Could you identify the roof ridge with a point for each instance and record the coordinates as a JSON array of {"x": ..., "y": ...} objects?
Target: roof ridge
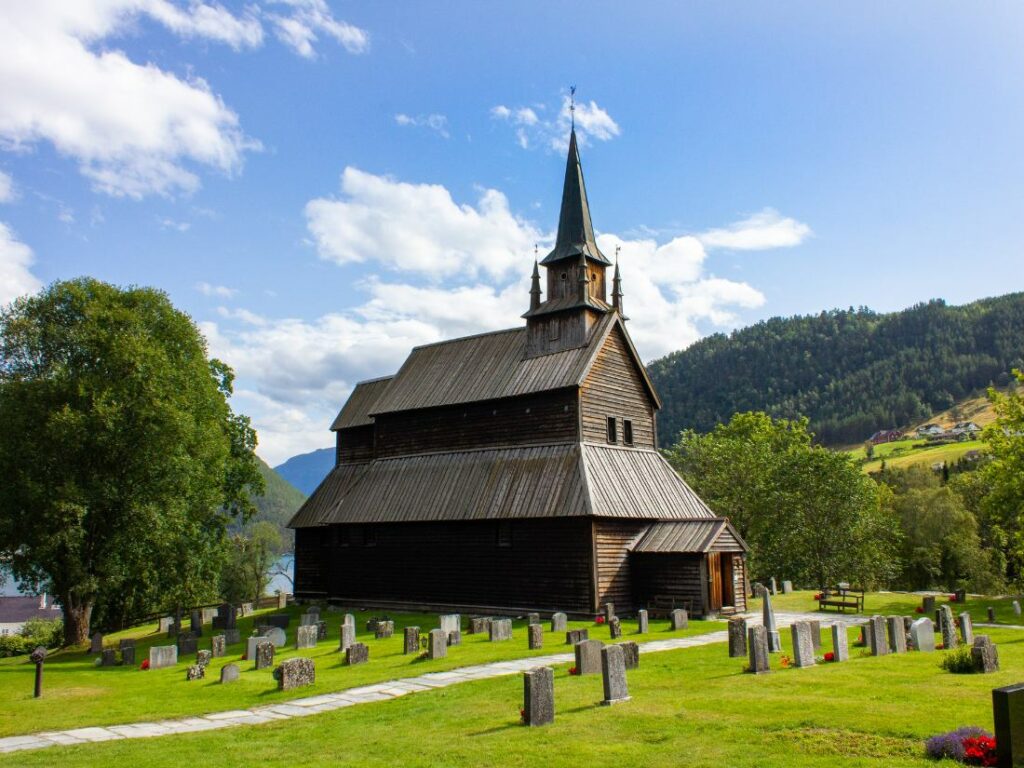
[
  {"x": 465, "y": 338},
  {"x": 481, "y": 449}
]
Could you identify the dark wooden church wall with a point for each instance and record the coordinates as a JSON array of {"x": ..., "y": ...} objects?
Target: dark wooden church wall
[
  {"x": 614, "y": 388},
  {"x": 310, "y": 556},
  {"x": 547, "y": 417},
  {"x": 670, "y": 574},
  {"x": 614, "y": 579},
  {"x": 547, "y": 566},
  {"x": 354, "y": 445}
]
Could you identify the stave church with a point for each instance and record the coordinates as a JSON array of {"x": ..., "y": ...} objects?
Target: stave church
[{"x": 518, "y": 470}]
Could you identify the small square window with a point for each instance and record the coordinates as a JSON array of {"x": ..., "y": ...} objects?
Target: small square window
[
  {"x": 627, "y": 431},
  {"x": 613, "y": 436},
  {"x": 504, "y": 536}
]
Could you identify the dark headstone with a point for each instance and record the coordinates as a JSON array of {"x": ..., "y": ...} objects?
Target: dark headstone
[
  {"x": 295, "y": 673},
  {"x": 357, "y": 653},
  {"x": 928, "y": 604},
  {"x": 232, "y": 636},
  {"x": 411, "y": 642},
  {"x": 539, "y": 696},
  {"x": 984, "y": 655},
  {"x": 195, "y": 672},
  {"x": 437, "y": 644},
  {"x": 613, "y": 675},
  {"x": 278, "y": 620},
  {"x": 991, "y": 615},
  {"x": 108, "y": 658},
  {"x": 96, "y": 643},
  {"x": 196, "y": 622},
  {"x": 203, "y": 658},
  {"x": 321, "y": 630},
  {"x": 228, "y": 616},
  {"x": 757, "y": 644},
  {"x": 559, "y": 622},
  {"x": 1008, "y": 713},
  {"x": 264, "y": 653},
  {"x": 218, "y": 646},
  {"x": 643, "y": 624},
  {"x": 737, "y": 638},
  {"x": 187, "y": 643},
  {"x": 615, "y": 627},
  {"x": 574, "y": 636},
  {"x": 535, "y": 633},
  {"x": 229, "y": 673},
  {"x": 128, "y": 655},
  {"x": 125, "y": 643},
  {"x": 588, "y": 657},
  {"x": 961, "y": 596},
  {"x": 631, "y": 653}
]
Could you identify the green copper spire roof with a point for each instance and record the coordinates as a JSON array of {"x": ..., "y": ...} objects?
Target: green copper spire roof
[{"x": 575, "y": 230}]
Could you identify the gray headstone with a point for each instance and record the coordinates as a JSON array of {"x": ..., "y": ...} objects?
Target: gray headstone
[
  {"x": 195, "y": 622},
  {"x": 232, "y": 636},
  {"x": 536, "y": 636},
  {"x": 187, "y": 643},
  {"x": 128, "y": 655},
  {"x": 559, "y": 622},
  {"x": 437, "y": 645},
  {"x": 615, "y": 627},
  {"x": 631, "y": 654},
  {"x": 897, "y": 634},
  {"x": 991, "y": 615},
  {"x": 348, "y": 636},
  {"x": 163, "y": 656},
  {"x": 775, "y": 589},
  {"x": 609, "y": 611},
  {"x": 165, "y": 624},
  {"x": 757, "y": 589},
  {"x": 1016, "y": 607},
  {"x": 195, "y": 672},
  {"x": 588, "y": 657},
  {"x": 295, "y": 673},
  {"x": 532, "y": 618},
  {"x": 217, "y": 646},
  {"x": 815, "y": 627},
  {"x": 479, "y": 625},
  {"x": 357, "y": 653},
  {"x": 264, "y": 653},
  {"x": 276, "y": 635},
  {"x": 125, "y": 642},
  {"x": 757, "y": 643},
  {"x": 922, "y": 635},
  {"x": 108, "y": 657},
  {"x": 787, "y": 587},
  {"x": 1008, "y": 714},
  {"x": 208, "y": 615},
  {"x": 455, "y": 637},
  {"x": 679, "y": 619},
  {"x": 948, "y": 628},
  {"x": 450, "y": 622},
  {"x": 229, "y": 673},
  {"x": 96, "y": 643},
  {"x": 305, "y": 636},
  {"x": 642, "y": 622},
  {"x": 803, "y": 648},
  {"x": 539, "y": 696},
  {"x": 246, "y": 610},
  {"x": 278, "y": 620},
  {"x": 411, "y": 643},
  {"x": 500, "y": 629},
  {"x": 613, "y": 675},
  {"x": 928, "y": 604},
  {"x": 876, "y": 636},
  {"x": 384, "y": 630},
  {"x": 737, "y": 638},
  {"x": 984, "y": 655},
  {"x": 308, "y": 619},
  {"x": 574, "y": 636},
  {"x": 768, "y": 616},
  {"x": 321, "y": 630},
  {"x": 203, "y": 658},
  {"x": 966, "y": 628},
  {"x": 840, "y": 651}
]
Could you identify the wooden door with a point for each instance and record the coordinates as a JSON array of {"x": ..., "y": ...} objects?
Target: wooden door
[
  {"x": 714, "y": 581},
  {"x": 728, "y": 580}
]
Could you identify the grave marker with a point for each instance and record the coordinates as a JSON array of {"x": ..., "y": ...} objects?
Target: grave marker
[
  {"x": 195, "y": 672},
  {"x": 613, "y": 675},
  {"x": 774, "y": 642},
  {"x": 455, "y": 637},
  {"x": 348, "y": 637},
  {"x": 357, "y": 653},
  {"x": 305, "y": 636},
  {"x": 876, "y": 636},
  {"x": 787, "y": 587},
  {"x": 108, "y": 658},
  {"x": 803, "y": 648},
  {"x": 679, "y": 619},
  {"x": 815, "y": 628},
  {"x": 984, "y": 655},
  {"x": 295, "y": 673},
  {"x": 609, "y": 611},
  {"x": 840, "y": 651},
  {"x": 308, "y": 619},
  {"x": 96, "y": 644},
  {"x": 574, "y": 636},
  {"x": 500, "y": 629},
  {"x": 187, "y": 643},
  {"x": 991, "y": 615},
  {"x": 642, "y": 621},
  {"x": 966, "y": 628},
  {"x": 539, "y": 696},
  {"x": 631, "y": 654},
  {"x": 264, "y": 653},
  {"x": 232, "y": 636},
  {"x": 1008, "y": 714},
  {"x": 1016, "y": 607},
  {"x": 203, "y": 658},
  {"x": 948, "y": 628},
  {"x": 451, "y": 622},
  {"x": 384, "y": 630},
  {"x": 615, "y": 627},
  {"x": 535, "y": 633},
  {"x": 588, "y": 657},
  {"x": 559, "y": 622},
  {"x": 278, "y": 620},
  {"x": 229, "y": 673},
  {"x": 276, "y": 635},
  {"x": 163, "y": 656},
  {"x": 897, "y": 635},
  {"x": 217, "y": 646},
  {"x": 775, "y": 589},
  {"x": 757, "y": 643},
  {"x": 479, "y": 625},
  {"x": 737, "y": 638},
  {"x": 532, "y": 618},
  {"x": 411, "y": 642},
  {"x": 437, "y": 646},
  {"x": 128, "y": 655},
  {"x": 922, "y": 635},
  {"x": 928, "y": 604}
]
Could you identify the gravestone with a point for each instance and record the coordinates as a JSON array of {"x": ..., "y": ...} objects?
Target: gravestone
[
  {"x": 737, "y": 638},
  {"x": 922, "y": 635},
  {"x": 162, "y": 656},
  {"x": 282, "y": 600},
  {"x": 588, "y": 657},
  {"x": 437, "y": 645},
  {"x": 840, "y": 651},
  {"x": 897, "y": 634},
  {"x": 574, "y": 636},
  {"x": 207, "y": 615},
  {"x": 250, "y": 647},
  {"x": 679, "y": 619},
  {"x": 227, "y": 616},
  {"x": 264, "y": 653},
  {"x": 275, "y": 635},
  {"x": 349, "y": 619},
  {"x": 108, "y": 657},
  {"x": 948, "y": 628},
  {"x": 1016, "y": 607},
  {"x": 876, "y": 636},
  {"x": 232, "y": 636},
  {"x": 203, "y": 658},
  {"x": 757, "y": 643},
  {"x": 539, "y": 696},
  {"x": 455, "y": 637},
  {"x": 535, "y": 634},
  {"x": 787, "y": 587},
  {"x": 815, "y": 627},
  {"x": 218, "y": 646},
  {"x": 775, "y": 589},
  {"x": 966, "y": 628},
  {"x": 128, "y": 642},
  {"x": 278, "y": 620},
  {"x": 768, "y": 613},
  {"x": 128, "y": 655},
  {"x": 984, "y": 655},
  {"x": 195, "y": 672},
  {"x": 321, "y": 630},
  {"x": 187, "y": 643},
  {"x": 165, "y": 624},
  {"x": 803, "y": 648},
  {"x": 305, "y": 636},
  {"x": 295, "y": 673},
  {"x": 532, "y": 618},
  {"x": 631, "y": 654},
  {"x": 615, "y": 627},
  {"x": 384, "y": 630},
  {"x": 757, "y": 589},
  {"x": 642, "y": 622},
  {"x": 609, "y": 611},
  {"x": 246, "y": 609},
  {"x": 960, "y": 595},
  {"x": 308, "y": 619},
  {"x": 613, "y": 675},
  {"x": 559, "y": 622},
  {"x": 357, "y": 653},
  {"x": 229, "y": 673},
  {"x": 450, "y": 622},
  {"x": 195, "y": 622},
  {"x": 348, "y": 636},
  {"x": 96, "y": 643},
  {"x": 500, "y": 629},
  {"x": 479, "y": 625},
  {"x": 411, "y": 643},
  {"x": 862, "y": 637},
  {"x": 1008, "y": 714},
  {"x": 928, "y": 604},
  {"x": 991, "y": 615}
]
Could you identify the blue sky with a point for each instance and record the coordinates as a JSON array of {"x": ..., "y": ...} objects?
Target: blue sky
[{"x": 324, "y": 184}]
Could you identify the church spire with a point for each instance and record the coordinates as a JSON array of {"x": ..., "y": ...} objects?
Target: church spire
[
  {"x": 617, "y": 287},
  {"x": 535, "y": 283}
]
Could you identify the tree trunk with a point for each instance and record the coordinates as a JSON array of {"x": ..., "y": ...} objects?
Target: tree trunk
[{"x": 76, "y": 620}]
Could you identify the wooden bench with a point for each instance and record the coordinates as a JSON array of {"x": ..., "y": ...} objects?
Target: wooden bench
[{"x": 841, "y": 598}]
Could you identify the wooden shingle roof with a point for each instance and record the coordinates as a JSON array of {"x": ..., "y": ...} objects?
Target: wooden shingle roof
[
  {"x": 356, "y": 411},
  {"x": 691, "y": 537},
  {"x": 327, "y": 495}
]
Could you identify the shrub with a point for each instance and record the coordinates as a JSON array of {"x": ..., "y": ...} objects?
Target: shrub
[
  {"x": 36, "y": 632},
  {"x": 959, "y": 661}
]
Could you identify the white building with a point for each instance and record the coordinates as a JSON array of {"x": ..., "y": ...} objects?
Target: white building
[{"x": 16, "y": 610}]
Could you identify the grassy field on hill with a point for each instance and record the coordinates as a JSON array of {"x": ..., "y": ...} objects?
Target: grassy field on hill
[
  {"x": 905, "y": 453},
  {"x": 692, "y": 707}
]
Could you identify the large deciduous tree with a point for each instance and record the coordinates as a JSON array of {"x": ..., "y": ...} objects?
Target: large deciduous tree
[{"x": 122, "y": 462}]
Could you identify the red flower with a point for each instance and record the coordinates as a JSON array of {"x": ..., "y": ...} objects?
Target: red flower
[
  {"x": 144, "y": 664},
  {"x": 599, "y": 620},
  {"x": 830, "y": 656},
  {"x": 979, "y": 750},
  {"x": 522, "y": 715},
  {"x": 818, "y": 596},
  {"x": 919, "y": 609},
  {"x": 952, "y": 598},
  {"x": 940, "y": 647},
  {"x": 784, "y": 662},
  {"x": 573, "y": 671}
]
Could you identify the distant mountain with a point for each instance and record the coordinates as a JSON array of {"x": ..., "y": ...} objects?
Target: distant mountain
[
  {"x": 851, "y": 372},
  {"x": 278, "y": 503},
  {"x": 306, "y": 470}
]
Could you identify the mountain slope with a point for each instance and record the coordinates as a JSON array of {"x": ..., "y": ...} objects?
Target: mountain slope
[
  {"x": 850, "y": 372},
  {"x": 278, "y": 503},
  {"x": 306, "y": 470}
]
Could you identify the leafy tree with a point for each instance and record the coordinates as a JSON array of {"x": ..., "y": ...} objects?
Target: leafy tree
[
  {"x": 122, "y": 460},
  {"x": 251, "y": 556}
]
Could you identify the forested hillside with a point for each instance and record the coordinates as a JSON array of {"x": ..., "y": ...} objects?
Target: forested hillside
[
  {"x": 850, "y": 372},
  {"x": 278, "y": 503},
  {"x": 306, "y": 470}
]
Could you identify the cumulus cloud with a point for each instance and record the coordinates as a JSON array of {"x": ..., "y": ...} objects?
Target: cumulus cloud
[
  {"x": 7, "y": 191},
  {"x": 532, "y": 128},
  {"x": 305, "y": 20},
  {"x": 763, "y": 230},
  {"x": 437, "y": 123},
  {"x": 219, "y": 291},
  {"x": 16, "y": 278}
]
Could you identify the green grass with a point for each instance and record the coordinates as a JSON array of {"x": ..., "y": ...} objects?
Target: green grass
[
  {"x": 905, "y": 453},
  {"x": 690, "y": 707},
  {"x": 898, "y": 603},
  {"x": 78, "y": 693}
]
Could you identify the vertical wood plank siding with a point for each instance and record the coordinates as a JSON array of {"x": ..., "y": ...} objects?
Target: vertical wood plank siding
[
  {"x": 676, "y": 575},
  {"x": 311, "y": 553},
  {"x": 611, "y": 541},
  {"x": 354, "y": 445},
  {"x": 614, "y": 388}
]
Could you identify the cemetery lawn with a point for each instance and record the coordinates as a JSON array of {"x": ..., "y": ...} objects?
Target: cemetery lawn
[
  {"x": 898, "y": 603},
  {"x": 692, "y": 707},
  {"x": 77, "y": 693}
]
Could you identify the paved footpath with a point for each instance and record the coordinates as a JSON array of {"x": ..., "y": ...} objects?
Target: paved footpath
[{"x": 366, "y": 694}]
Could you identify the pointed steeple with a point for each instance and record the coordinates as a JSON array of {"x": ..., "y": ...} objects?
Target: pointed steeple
[
  {"x": 535, "y": 286},
  {"x": 617, "y": 287},
  {"x": 575, "y": 230}
]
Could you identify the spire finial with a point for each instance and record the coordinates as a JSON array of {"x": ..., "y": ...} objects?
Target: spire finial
[
  {"x": 617, "y": 285},
  {"x": 572, "y": 106}
]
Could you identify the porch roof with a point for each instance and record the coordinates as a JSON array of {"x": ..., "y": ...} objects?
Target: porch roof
[{"x": 691, "y": 537}]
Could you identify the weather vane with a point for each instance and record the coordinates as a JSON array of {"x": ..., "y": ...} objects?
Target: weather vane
[
  {"x": 617, "y": 249},
  {"x": 572, "y": 105}
]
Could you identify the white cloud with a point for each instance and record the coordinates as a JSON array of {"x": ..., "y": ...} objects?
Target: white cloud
[
  {"x": 307, "y": 19},
  {"x": 436, "y": 123},
  {"x": 766, "y": 229},
  {"x": 7, "y": 191},
  {"x": 532, "y": 129},
  {"x": 176, "y": 226},
  {"x": 16, "y": 279},
  {"x": 220, "y": 291}
]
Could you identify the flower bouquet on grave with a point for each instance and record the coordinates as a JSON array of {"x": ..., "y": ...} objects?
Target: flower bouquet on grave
[
  {"x": 599, "y": 620},
  {"x": 522, "y": 717},
  {"x": 785, "y": 662},
  {"x": 919, "y": 609},
  {"x": 970, "y": 745},
  {"x": 817, "y": 596},
  {"x": 144, "y": 665},
  {"x": 830, "y": 656},
  {"x": 574, "y": 670},
  {"x": 952, "y": 598},
  {"x": 940, "y": 647}
]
